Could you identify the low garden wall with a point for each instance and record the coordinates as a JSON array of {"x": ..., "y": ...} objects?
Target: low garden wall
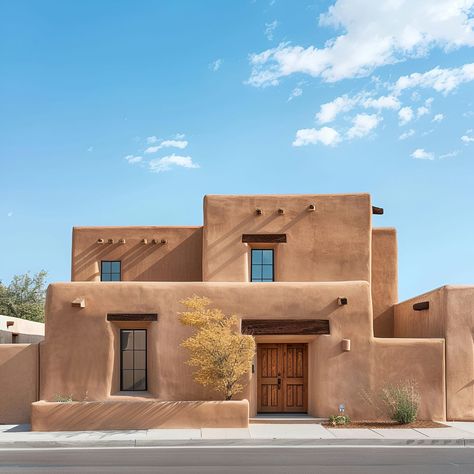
[{"x": 137, "y": 415}]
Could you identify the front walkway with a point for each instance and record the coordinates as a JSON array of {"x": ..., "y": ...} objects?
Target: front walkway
[{"x": 458, "y": 433}]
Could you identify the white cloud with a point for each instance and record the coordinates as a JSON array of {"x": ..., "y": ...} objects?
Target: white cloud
[
  {"x": 330, "y": 110},
  {"x": 166, "y": 163},
  {"x": 270, "y": 29},
  {"x": 382, "y": 102},
  {"x": 215, "y": 65},
  {"x": 407, "y": 134},
  {"x": 179, "y": 136},
  {"x": 363, "y": 124},
  {"x": 133, "y": 159},
  {"x": 467, "y": 139},
  {"x": 451, "y": 154},
  {"x": 420, "y": 111},
  {"x": 441, "y": 80},
  {"x": 421, "y": 154},
  {"x": 374, "y": 34},
  {"x": 181, "y": 144},
  {"x": 151, "y": 140},
  {"x": 438, "y": 118},
  {"x": 405, "y": 115},
  {"x": 296, "y": 92},
  {"x": 310, "y": 136}
]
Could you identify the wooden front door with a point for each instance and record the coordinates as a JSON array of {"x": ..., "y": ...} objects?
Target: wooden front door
[{"x": 282, "y": 374}]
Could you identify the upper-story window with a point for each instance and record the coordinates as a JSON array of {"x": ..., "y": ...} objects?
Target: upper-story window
[
  {"x": 110, "y": 270},
  {"x": 262, "y": 265}
]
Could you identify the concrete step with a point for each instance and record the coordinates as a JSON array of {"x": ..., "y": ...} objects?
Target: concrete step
[{"x": 286, "y": 418}]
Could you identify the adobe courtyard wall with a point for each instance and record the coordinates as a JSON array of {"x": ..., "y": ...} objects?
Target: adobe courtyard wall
[
  {"x": 450, "y": 315},
  {"x": 26, "y": 331},
  {"x": 179, "y": 259},
  {"x": 80, "y": 353},
  {"x": 18, "y": 382},
  {"x": 332, "y": 243}
]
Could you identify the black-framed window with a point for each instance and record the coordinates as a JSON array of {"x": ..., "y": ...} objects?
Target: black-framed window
[
  {"x": 262, "y": 261},
  {"x": 110, "y": 270},
  {"x": 133, "y": 366}
]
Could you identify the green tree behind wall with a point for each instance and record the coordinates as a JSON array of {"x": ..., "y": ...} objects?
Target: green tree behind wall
[{"x": 24, "y": 297}]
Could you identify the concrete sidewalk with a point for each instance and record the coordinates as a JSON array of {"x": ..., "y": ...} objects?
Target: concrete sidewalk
[{"x": 457, "y": 434}]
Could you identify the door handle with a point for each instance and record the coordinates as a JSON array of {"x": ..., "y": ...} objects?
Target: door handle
[{"x": 279, "y": 382}]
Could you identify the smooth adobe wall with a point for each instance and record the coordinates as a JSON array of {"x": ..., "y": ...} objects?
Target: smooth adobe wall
[
  {"x": 384, "y": 279},
  {"x": 79, "y": 356},
  {"x": 330, "y": 244},
  {"x": 18, "y": 382},
  {"x": 450, "y": 315},
  {"x": 143, "y": 414},
  {"x": 180, "y": 259}
]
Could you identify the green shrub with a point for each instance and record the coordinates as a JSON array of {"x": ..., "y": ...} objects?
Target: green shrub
[
  {"x": 63, "y": 398},
  {"x": 402, "y": 402},
  {"x": 339, "y": 420}
]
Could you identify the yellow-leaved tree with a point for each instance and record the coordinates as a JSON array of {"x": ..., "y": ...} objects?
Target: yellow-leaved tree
[{"x": 218, "y": 351}]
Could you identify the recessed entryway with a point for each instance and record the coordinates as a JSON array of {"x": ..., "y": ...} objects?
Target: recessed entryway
[{"x": 282, "y": 378}]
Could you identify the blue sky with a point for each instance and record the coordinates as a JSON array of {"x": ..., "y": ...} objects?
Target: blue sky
[{"x": 127, "y": 113}]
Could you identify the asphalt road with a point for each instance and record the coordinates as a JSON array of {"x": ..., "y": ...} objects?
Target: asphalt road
[{"x": 275, "y": 460}]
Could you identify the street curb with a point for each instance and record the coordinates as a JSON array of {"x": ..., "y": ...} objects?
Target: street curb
[{"x": 142, "y": 443}]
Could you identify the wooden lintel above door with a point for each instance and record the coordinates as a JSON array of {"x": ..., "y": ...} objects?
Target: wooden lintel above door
[{"x": 291, "y": 327}]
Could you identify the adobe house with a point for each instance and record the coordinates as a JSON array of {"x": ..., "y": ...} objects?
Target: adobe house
[{"x": 309, "y": 277}]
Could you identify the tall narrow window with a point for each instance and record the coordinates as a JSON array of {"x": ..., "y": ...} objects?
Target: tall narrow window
[
  {"x": 110, "y": 270},
  {"x": 133, "y": 360},
  {"x": 262, "y": 265}
]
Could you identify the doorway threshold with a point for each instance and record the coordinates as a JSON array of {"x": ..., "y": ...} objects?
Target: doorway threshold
[{"x": 286, "y": 418}]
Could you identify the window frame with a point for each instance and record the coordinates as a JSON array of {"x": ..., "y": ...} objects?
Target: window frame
[
  {"x": 252, "y": 250},
  {"x": 111, "y": 272},
  {"x": 133, "y": 350}
]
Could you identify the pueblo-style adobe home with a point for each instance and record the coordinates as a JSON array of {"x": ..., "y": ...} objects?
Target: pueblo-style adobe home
[{"x": 308, "y": 275}]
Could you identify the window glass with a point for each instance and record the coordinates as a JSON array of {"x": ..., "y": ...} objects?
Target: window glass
[
  {"x": 267, "y": 257},
  {"x": 262, "y": 265},
  {"x": 133, "y": 356},
  {"x": 110, "y": 270}
]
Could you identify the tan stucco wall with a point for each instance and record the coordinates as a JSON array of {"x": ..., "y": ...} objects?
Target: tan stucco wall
[
  {"x": 79, "y": 357},
  {"x": 330, "y": 244},
  {"x": 450, "y": 315},
  {"x": 143, "y": 414},
  {"x": 18, "y": 381},
  {"x": 27, "y": 331},
  {"x": 384, "y": 279},
  {"x": 177, "y": 260}
]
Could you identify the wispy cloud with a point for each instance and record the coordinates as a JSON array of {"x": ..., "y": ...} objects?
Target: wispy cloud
[
  {"x": 270, "y": 29},
  {"x": 132, "y": 159},
  {"x": 296, "y": 92},
  {"x": 450, "y": 154},
  {"x": 9, "y": 214},
  {"x": 181, "y": 144},
  {"x": 438, "y": 118},
  {"x": 439, "y": 79},
  {"x": 407, "y": 134},
  {"x": 166, "y": 163},
  {"x": 152, "y": 139},
  {"x": 215, "y": 65},
  {"x": 402, "y": 30},
  {"x": 310, "y": 136},
  {"x": 421, "y": 154}
]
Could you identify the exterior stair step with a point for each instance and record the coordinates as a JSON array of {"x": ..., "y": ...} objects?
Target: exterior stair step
[{"x": 282, "y": 419}]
